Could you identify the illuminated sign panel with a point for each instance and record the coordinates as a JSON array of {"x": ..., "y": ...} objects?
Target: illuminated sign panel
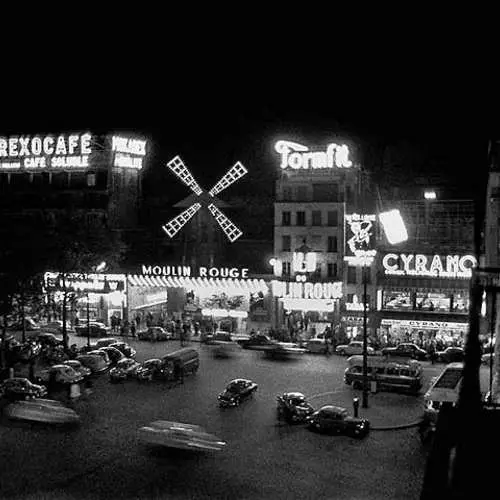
[
  {"x": 100, "y": 283},
  {"x": 299, "y": 157},
  {"x": 304, "y": 262},
  {"x": 293, "y": 290},
  {"x": 45, "y": 152},
  {"x": 203, "y": 272},
  {"x": 355, "y": 305},
  {"x": 128, "y": 153},
  {"x": 449, "y": 266},
  {"x": 433, "y": 325},
  {"x": 360, "y": 239}
]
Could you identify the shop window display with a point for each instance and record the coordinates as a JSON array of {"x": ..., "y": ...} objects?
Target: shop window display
[
  {"x": 397, "y": 300},
  {"x": 433, "y": 302}
]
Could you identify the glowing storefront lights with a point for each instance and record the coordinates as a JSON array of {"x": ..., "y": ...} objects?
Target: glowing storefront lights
[
  {"x": 294, "y": 290},
  {"x": 394, "y": 226},
  {"x": 224, "y": 313},
  {"x": 297, "y": 156},
  {"x": 450, "y": 266},
  {"x": 321, "y": 305}
]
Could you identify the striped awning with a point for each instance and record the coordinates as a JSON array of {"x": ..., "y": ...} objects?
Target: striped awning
[{"x": 233, "y": 284}]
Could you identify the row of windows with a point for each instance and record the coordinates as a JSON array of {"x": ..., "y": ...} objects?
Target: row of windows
[
  {"x": 331, "y": 270},
  {"x": 325, "y": 192},
  {"x": 62, "y": 180},
  {"x": 317, "y": 219},
  {"x": 352, "y": 275},
  {"x": 331, "y": 243}
]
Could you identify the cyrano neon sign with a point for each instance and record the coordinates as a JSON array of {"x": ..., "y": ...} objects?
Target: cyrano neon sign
[
  {"x": 451, "y": 266},
  {"x": 297, "y": 156}
]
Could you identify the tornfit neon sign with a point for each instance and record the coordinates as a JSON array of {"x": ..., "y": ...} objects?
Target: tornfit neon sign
[{"x": 298, "y": 157}]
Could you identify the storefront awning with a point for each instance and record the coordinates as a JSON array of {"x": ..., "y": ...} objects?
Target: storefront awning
[
  {"x": 221, "y": 284},
  {"x": 152, "y": 304}
]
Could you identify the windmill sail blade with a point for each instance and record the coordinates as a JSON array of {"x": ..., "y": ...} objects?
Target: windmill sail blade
[
  {"x": 237, "y": 171},
  {"x": 178, "y": 168},
  {"x": 232, "y": 232},
  {"x": 173, "y": 227}
]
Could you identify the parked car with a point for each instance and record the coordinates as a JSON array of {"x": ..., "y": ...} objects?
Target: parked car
[
  {"x": 293, "y": 407},
  {"x": 256, "y": 342},
  {"x": 96, "y": 330},
  {"x": 316, "y": 345},
  {"x": 177, "y": 435},
  {"x": 125, "y": 349},
  {"x": 354, "y": 347},
  {"x": 42, "y": 410},
  {"x": 95, "y": 363},
  {"x": 450, "y": 355},
  {"x": 47, "y": 339},
  {"x": 56, "y": 327},
  {"x": 21, "y": 388},
  {"x": 101, "y": 353},
  {"x": 78, "y": 367},
  {"x": 406, "y": 350},
  {"x": 152, "y": 369},
  {"x": 335, "y": 420},
  {"x": 237, "y": 390},
  {"x": 114, "y": 354},
  {"x": 63, "y": 374},
  {"x": 154, "y": 334},
  {"x": 125, "y": 369},
  {"x": 106, "y": 342}
]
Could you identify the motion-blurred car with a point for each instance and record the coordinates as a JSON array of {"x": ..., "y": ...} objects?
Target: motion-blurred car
[
  {"x": 152, "y": 369},
  {"x": 293, "y": 407},
  {"x": 218, "y": 336},
  {"x": 21, "y": 388},
  {"x": 154, "y": 334},
  {"x": 96, "y": 330},
  {"x": 450, "y": 355},
  {"x": 335, "y": 420},
  {"x": 125, "y": 369},
  {"x": 406, "y": 350},
  {"x": 256, "y": 342},
  {"x": 283, "y": 350},
  {"x": 316, "y": 345},
  {"x": 114, "y": 354},
  {"x": 237, "y": 390},
  {"x": 125, "y": 349},
  {"x": 182, "y": 436},
  {"x": 63, "y": 374},
  {"x": 354, "y": 347},
  {"x": 41, "y": 410},
  {"x": 95, "y": 363},
  {"x": 78, "y": 367}
]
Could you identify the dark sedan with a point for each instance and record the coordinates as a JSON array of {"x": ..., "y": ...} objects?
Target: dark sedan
[
  {"x": 125, "y": 349},
  {"x": 450, "y": 355},
  {"x": 293, "y": 407},
  {"x": 21, "y": 388},
  {"x": 125, "y": 369},
  {"x": 406, "y": 350},
  {"x": 114, "y": 354},
  {"x": 335, "y": 420},
  {"x": 236, "y": 391},
  {"x": 152, "y": 369}
]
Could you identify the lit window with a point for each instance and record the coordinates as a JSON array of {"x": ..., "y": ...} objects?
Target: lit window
[{"x": 91, "y": 180}]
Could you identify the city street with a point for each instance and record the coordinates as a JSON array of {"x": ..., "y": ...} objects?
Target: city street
[{"x": 263, "y": 459}]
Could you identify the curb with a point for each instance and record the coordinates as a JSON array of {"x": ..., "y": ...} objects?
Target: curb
[{"x": 398, "y": 427}]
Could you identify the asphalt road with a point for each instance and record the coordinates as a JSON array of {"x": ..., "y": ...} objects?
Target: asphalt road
[{"x": 103, "y": 458}]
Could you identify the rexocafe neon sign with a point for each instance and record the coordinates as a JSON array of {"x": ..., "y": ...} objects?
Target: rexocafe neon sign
[{"x": 450, "y": 266}]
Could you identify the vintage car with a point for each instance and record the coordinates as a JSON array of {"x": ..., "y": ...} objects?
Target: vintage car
[
  {"x": 406, "y": 350},
  {"x": 94, "y": 362},
  {"x": 256, "y": 342},
  {"x": 218, "y": 336},
  {"x": 56, "y": 327},
  {"x": 21, "y": 388},
  {"x": 96, "y": 329},
  {"x": 102, "y": 354},
  {"x": 154, "y": 334},
  {"x": 237, "y": 390},
  {"x": 125, "y": 369},
  {"x": 62, "y": 374},
  {"x": 41, "y": 410},
  {"x": 450, "y": 355},
  {"x": 316, "y": 345},
  {"x": 178, "y": 435},
  {"x": 47, "y": 339},
  {"x": 106, "y": 342},
  {"x": 152, "y": 369},
  {"x": 283, "y": 350},
  {"x": 293, "y": 407},
  {"x": 335, "y": 420},
  {"x": 125, "y": 349},
  {"x": 78, "y": 367},
  {"x": 354, "y": 347},
  {"x": 114, "y": 354}
]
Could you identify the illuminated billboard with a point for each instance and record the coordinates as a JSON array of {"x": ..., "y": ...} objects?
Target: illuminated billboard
[{"x": 360, "y": 239}]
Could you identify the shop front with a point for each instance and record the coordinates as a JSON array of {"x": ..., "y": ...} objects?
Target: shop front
[{"x": 206, "y": 298}]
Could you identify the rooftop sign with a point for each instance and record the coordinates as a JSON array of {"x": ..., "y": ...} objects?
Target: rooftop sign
[
  {"x": 298, "y": 157},
  {"x": 128, "y": 153}
]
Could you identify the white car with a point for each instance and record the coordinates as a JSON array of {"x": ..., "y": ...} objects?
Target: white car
[
  {"x": 178, "y": 435},
  {"x": 42, "y": 410},
  {"x": 353, "y": 348},
  {"x": 316, "y": 345},
  {"x": 63, "y": 374}
]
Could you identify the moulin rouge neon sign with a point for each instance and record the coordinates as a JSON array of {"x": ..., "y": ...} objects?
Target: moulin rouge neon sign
[{"x": 297, "y": 156}]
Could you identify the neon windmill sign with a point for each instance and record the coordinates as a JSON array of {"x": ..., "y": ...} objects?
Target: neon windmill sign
[{"x": 237, "y": 171}]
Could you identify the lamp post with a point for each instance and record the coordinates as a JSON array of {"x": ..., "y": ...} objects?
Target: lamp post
[
  {"x": 88, "y": 320},
  {"x": 364, "y": 401}
]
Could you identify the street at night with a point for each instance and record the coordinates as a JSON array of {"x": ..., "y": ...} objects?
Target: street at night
[{"x": 263, "y": 459}]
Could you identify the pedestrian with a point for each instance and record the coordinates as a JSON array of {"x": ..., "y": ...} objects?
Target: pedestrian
[{"x": 132, "y": 330}]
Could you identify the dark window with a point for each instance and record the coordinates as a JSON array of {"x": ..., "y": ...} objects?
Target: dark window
[
  {"x": 301, "y": 219},
  {"x": 60, "y": 180},
  {"x": 332, "y": 270},
  {"x": 21, "y": 180},
  {"x": 348, "y": 195},
  {"x": 332, "y": 244},
  {"x": 286, "y": 268},
  {"x": 367, "y": 275},
  {"x": 286, "y": 218},
  {"x": 286, "y": 243},
  {"x": 301, "y": 193},
  {"x": 287, "y": 193},
  {"x": 316, "y": 218},
  {"x": 325, "y": 192},
  {"x": 350, "y": 297},
  {"x": 333, "y": 218},
  {"x": 351, "y": 274}
]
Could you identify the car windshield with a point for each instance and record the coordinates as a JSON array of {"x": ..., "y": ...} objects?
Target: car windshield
[
  {"x": 125, "y": 363},
  {"x": 297, "y": 401},
  {"x": 151, "y": 363},
  {"x": 235, "y": 386}
]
